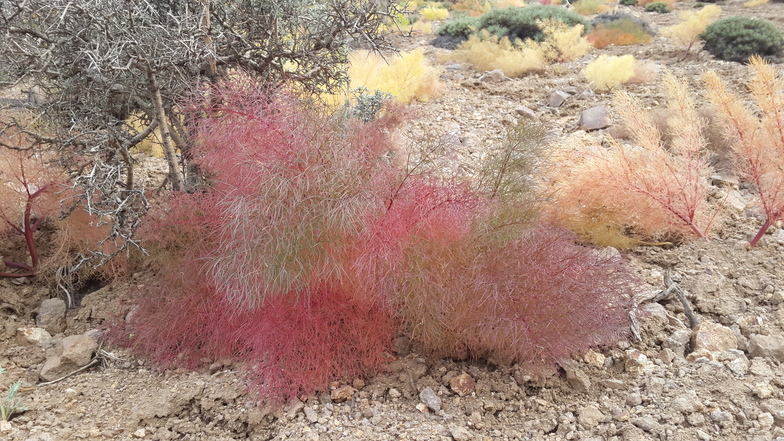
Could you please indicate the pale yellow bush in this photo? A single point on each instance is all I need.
(754, 3)
(692, 24)
(562, 42)
(608, 72)
(590, 7)
(433, 12)
(490, 53)
(407, 76)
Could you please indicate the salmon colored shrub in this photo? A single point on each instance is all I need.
(657, 193)
(756, 134)
(621, 32)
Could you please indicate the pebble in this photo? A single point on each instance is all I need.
(430, 399)
(590, 417)
(460, 433)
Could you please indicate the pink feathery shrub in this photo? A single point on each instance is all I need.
(319, 239)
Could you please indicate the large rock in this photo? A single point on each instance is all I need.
(594, 118)
(68, 355)
(51, 316)
(766, 346)
(710, 339)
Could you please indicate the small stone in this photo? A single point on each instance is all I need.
(760, 368)
(710, 339)
(739, 366)
(594, 118)
(774, 407)
(765, 420)
(633, 399)
(766, 346)
(666, 355)
(141, 433)
(358, 383)
(646, 423)
(578, 379)
(460, 433)
(720, 416)
(589, 417)
(594, 359)
(695, 419)
(394, 393)
(39, 336)
(342, 394)
(51, 315)
(678, 341)
(5, 426)
(586, 94)
(702, 435)
(311, 414)
(687, 403)
(494, 76)
(557, 98)
(422, 407)
(635, 362)
(763, 390)
(612, 384)
(462, 384)
(430, 399)
(525, 112)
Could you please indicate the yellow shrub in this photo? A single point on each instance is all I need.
(754, 3)
(564, 43)
(692, 24)
(489, 53)
(433, 12)
(407, 76)
(590, 7)
(609, 72)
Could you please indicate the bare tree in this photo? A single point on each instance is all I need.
(90, 64)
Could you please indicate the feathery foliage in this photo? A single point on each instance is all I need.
(608, 72)
(319, 238)
(656, 193)
(757, 134)
(692, 24)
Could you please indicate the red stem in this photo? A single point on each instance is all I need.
(761, 232)
(28, 232)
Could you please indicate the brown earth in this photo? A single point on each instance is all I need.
(638, 390)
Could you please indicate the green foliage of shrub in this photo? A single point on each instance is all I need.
(628, 2)
(658, 7)
(521, 23)
(459, 27)
(738, 38)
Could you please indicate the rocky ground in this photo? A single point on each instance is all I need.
(719, 380)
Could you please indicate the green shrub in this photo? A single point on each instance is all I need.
(658, 7)
(628, 2)
(738, 38)
(459, 27)
(521, 23)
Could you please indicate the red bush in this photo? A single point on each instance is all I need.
(310, 246)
